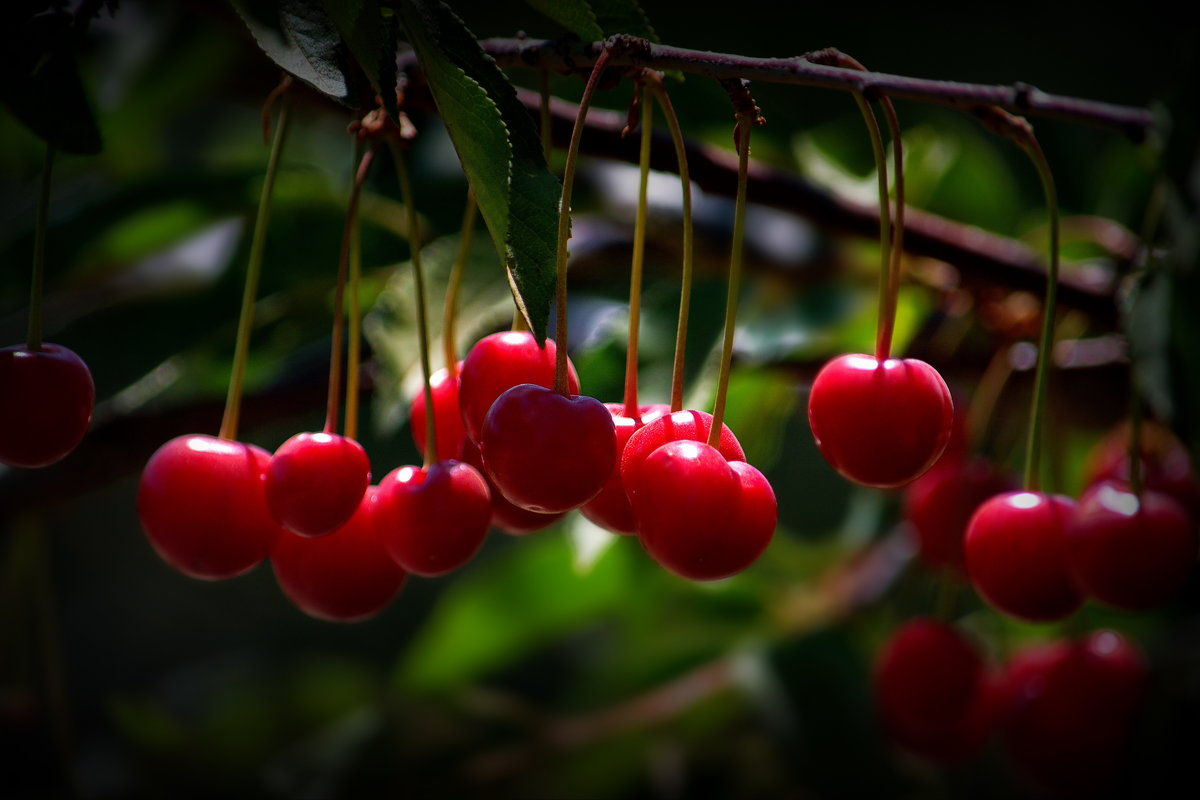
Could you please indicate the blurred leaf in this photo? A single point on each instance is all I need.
(499, 149)
(499, 611)
(761, 403)
(574, 15)
(37, 62)
(623, 16)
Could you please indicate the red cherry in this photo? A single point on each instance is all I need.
(203, 504)
(496, 364)
(610, 509)
(511, 519)
(1166, 464)
(880, 424)
(1129, 552)
(346, 576)
(547, 452)
(1073, 705)
(316, 481)
(934, 695)
(691, 426)
(46, 401)
(447, 417)
(433, 521)
(700, 516)
(939, 504)
(1016, 555)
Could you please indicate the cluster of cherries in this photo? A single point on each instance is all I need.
(46, 398)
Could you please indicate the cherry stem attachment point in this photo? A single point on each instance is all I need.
(336, 344)
(654, 82)
(454, 285)
(33, 339)
(414, 245)
(561, 384)
(742, 137)
(639, 255)
(241, 350)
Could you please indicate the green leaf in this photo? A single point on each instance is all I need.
(623, 16)
(499, 611)
(574, 15)
(40, 83)
(499, 150)
(371, 37)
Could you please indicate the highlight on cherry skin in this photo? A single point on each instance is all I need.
(315, 482)
(548, 452)
(499, 362)
(46, 401)
(611, 509)
(346, 576)
(880, 424)
(203, 505)
(688, 425)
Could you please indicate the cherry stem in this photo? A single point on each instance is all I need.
(33, 341)
(454, 285)
(414, 245)
(241, 350)
(685, 292)
(354, 333)
(335, 348)
(742, 136)
(639, 255)
(1154, 209)
(887, 308)
(561, 384)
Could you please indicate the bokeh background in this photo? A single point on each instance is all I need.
(565, 663)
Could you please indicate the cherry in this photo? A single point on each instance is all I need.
(1016, 555)
(880, 424)
(610, 509)
(202, 502)
(499, 362)
(1072, 709)
(346, 576)
(316, 481)
(547, 452)
(46, 401)
(939, 504)
(934, 695)
(1130, 552)
(700, 516)
(432, 521)
(451, 433)
(511, 519)
(682, 425)
(1166, 464)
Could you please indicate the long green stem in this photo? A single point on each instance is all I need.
(639, 256)
(887, 309)
(896, 251)
(1033, 449)
(241, 351)
(454, 285)
(685, 291)
(354, 332)
(335, 347)
(564, 228)
(414, 245)
(33, 341)
(742, 132)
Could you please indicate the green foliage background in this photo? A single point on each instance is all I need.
(543, 668)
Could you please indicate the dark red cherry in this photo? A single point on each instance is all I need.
(610, 509)
(346, 576)
(433, 521)
(451, 432)
(547, 452)
(1016, 555)
(933, 692)
(202, 502)
(700, 516)
(511, 519)
(939, 504)
(693, 426)
(880, 424)
(46, 401)
(496, 364)
(316, 481)
(1130, 552)
(1166, 465)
